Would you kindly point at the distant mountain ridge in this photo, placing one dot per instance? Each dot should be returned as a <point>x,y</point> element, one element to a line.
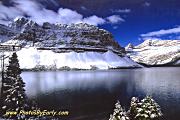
<point>156,52</point>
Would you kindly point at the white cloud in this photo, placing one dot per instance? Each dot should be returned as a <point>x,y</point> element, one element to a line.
<point>162,32</point>
<point>115,27</point>
<point>38,13</point>
<point>115,19</point>
<point>121,10</point>
<point>146,4</point>
<point>149,38</point>
<point>83,8</point>
<point>94,20</point>
<point>68,16</point>
<point>8,13</point>
<point>53,2</point>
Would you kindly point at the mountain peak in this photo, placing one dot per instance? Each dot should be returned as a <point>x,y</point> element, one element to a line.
<point>129,46</point>
<point>22,22</point>
<point>20,18</point>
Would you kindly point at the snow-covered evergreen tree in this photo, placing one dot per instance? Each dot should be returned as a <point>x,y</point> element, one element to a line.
<point>133,107</point>
<point>14,97</point>
<point>119,113</point>
<point>147,109</point>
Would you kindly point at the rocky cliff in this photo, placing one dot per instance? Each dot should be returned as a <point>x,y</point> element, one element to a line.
<point>25,32</point>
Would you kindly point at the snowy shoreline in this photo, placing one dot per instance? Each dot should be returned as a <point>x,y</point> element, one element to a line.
<point>75,69</point>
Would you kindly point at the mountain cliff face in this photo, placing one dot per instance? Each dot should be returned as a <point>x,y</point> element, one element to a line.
<point>25,32</point>
<point>156,52</point>
<point>58,46</point>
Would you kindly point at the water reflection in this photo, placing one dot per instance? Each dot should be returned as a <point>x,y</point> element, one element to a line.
<point>90,93</point>
<point>42,82</point>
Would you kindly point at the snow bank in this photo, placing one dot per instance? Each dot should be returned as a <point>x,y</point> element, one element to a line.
<point>30,58</point>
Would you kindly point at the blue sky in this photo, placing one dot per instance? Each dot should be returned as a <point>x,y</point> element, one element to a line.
<point>130,21</point>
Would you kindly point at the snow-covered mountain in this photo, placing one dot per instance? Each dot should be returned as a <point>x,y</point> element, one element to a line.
<point>59,46</point>
<point>156,52</point>
<point>28,33</point>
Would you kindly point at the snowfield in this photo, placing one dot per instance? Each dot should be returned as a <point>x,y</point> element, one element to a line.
<point>30,58</point>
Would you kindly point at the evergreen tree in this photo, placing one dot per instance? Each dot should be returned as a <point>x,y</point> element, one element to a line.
<point>14,98</point>
<point>147,109</point>
<point>133,107</point>
<point>119,113</point>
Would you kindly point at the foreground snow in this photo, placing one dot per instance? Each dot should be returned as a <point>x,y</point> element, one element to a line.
<point>30,58</point>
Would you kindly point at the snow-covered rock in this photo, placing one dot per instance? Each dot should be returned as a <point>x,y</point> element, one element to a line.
<point>156,52</point>
<point>29,33</point>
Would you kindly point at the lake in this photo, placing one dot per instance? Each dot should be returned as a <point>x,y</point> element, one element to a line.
<point>91,95</point>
